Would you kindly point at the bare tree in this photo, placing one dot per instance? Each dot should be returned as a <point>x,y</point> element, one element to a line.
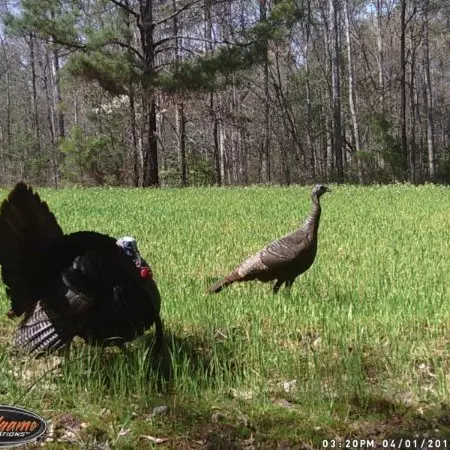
<point>136,153</point>
<point>209,49</point>
<point>265,135</point>
<point>5,55</point>
<point>336,88</point>
<point>180,118</point>
<point>428,92</point>
<point>380,50</point>
<point>45,65</point>
<point>149,141</point>
<point>309,122</point>
<point>333,75</point>
<point>412,106</point>
<point>351,91</point>
<point>403,135</point>
<point>34,99</point>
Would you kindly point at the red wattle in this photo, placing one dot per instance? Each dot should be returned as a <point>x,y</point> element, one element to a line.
<point>145,272</point>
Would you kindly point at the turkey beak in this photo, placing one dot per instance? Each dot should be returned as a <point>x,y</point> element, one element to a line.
<point>137,258</point>
<point>132,251</point>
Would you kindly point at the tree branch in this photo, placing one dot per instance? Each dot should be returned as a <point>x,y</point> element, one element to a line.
<point>411,17</point>
<point>52,39</point>
<point>184,49</point>
<point>209,41</point>
<point>125,8</point>
<point>124,45</point>
<point>175,13</point>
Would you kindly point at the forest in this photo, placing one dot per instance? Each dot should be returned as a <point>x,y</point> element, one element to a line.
<point>224,92</point>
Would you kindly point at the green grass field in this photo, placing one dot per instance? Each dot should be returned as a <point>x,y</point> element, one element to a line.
<point>359,348</point>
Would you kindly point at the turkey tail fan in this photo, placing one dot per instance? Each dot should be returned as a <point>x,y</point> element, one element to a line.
<point>26,227</point>
<point>25,222</point>
<point>37,333</point>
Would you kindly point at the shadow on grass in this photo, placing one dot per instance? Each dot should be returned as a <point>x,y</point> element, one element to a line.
<point>124,365</point>
<point>132,369</point>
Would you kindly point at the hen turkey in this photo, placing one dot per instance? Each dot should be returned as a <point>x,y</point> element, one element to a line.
<point>284,259</point>
<point>83,284</point>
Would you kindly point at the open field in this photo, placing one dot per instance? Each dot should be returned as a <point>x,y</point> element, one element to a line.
<point>360,348</point>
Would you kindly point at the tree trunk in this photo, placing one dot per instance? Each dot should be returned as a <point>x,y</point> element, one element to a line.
<point>309,125</point>
<point>265,131</point>
<point>180,118</point>
<point>289,125</point>
<point>6,143</point>
<point>222,153</point>
<point>181,140</point>
<point>380,45</point>
<point>209,49</point>
<point>412,116</point>
<point>35,121</point>
<point>336,90</point>
<point>327,101</point>
<point>351,93</point>
<point>403,135</point>
<point>150,143</point>
<point>135,156</point>
<point>50,114</point>
<point>428,94</point>
<point>57,97</point>
<point>58,94</point>
<point>234,135</point>
<point>244,138</point>
<point>216,141</point>
<point>137,176</point>
<point>149,137</point>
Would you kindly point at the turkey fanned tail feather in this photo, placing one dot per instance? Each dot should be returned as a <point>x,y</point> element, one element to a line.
<point>26,227</point>
<point>38,334</point>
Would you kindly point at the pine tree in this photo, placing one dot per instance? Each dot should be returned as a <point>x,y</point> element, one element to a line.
<point>119,43</point>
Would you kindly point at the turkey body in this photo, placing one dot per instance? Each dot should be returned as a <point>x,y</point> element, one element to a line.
<point>80,284</point>
<point>284,259</point>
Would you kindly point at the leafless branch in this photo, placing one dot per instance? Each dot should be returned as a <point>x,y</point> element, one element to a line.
<point>125,8</point>
<point>411,17</point>
<point>184,49</point>
<point>200,39</point>
<point>176,13</point>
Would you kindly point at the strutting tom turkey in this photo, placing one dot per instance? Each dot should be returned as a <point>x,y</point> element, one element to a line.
<point>284,259</point>
<point>83,284</point>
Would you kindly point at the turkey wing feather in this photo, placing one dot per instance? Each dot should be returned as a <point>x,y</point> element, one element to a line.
<point>285,250</point>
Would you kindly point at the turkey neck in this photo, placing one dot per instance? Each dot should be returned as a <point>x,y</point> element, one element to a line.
<point>311,224</point>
